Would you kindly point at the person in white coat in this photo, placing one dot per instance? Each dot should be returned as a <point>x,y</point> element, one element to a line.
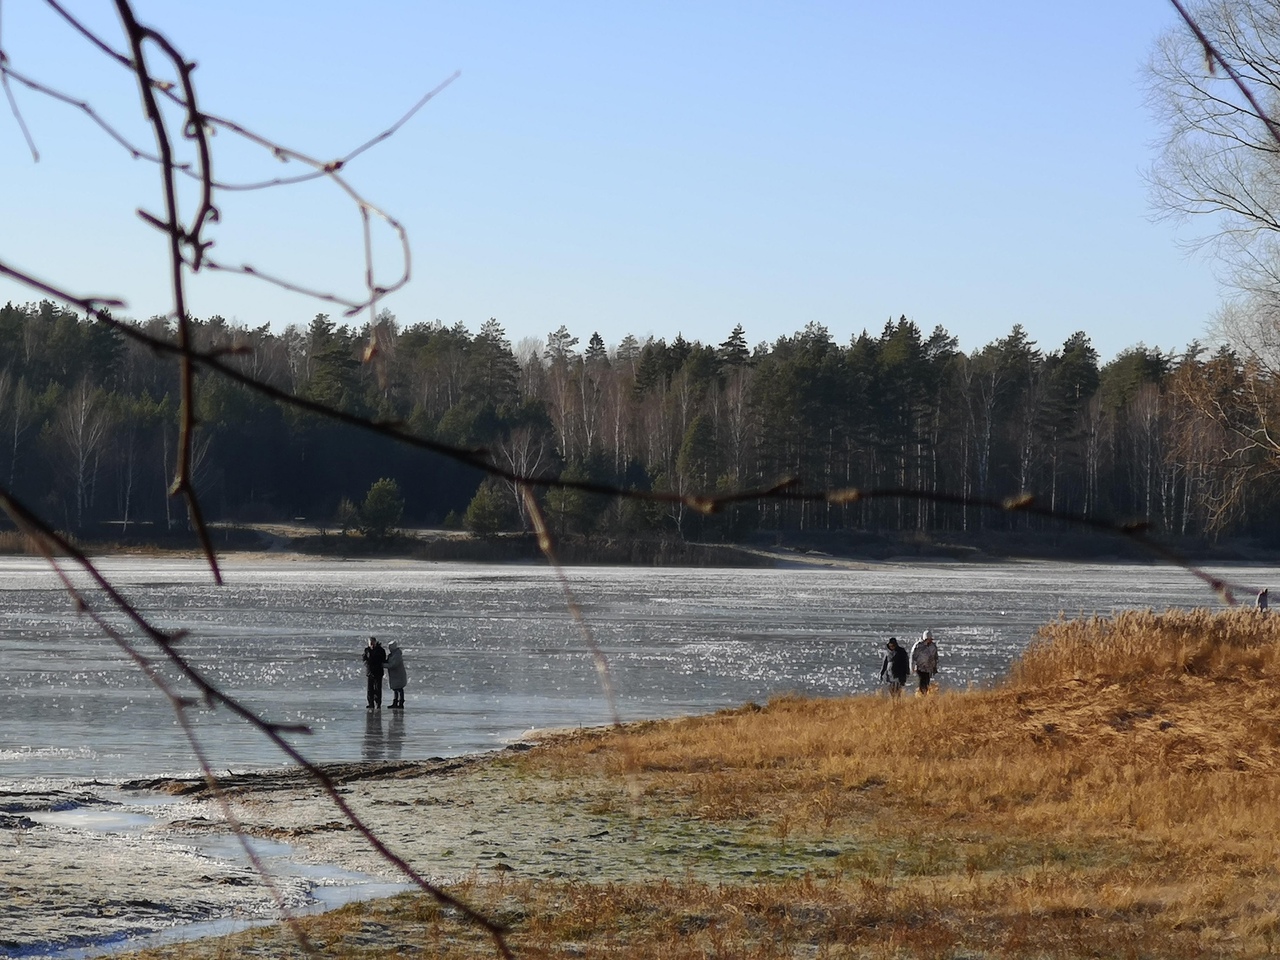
<point>397,676</point>
<point>924,660</point>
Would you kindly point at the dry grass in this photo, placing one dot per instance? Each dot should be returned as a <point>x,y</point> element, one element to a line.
<point>1115,797</point>
<point>13,543</point>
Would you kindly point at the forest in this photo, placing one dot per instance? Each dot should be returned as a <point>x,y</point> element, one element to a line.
<point>88,428</point>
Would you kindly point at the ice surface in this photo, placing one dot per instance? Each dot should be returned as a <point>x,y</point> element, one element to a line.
<point>492,651</point>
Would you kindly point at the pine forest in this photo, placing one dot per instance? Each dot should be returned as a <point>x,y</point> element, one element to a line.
<point>88,428</point>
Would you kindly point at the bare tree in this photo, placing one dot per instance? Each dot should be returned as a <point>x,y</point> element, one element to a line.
<point>1220,155</point>
<point>1213,85</point>
<point>82,427</point>
<point>20,410</point>
<point>525,451</point>
<point>1251,325</point>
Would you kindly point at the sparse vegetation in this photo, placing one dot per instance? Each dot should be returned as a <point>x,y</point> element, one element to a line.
<point>1114,797</point>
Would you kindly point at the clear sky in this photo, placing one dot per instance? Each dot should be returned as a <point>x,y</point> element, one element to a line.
<point>653,168</point>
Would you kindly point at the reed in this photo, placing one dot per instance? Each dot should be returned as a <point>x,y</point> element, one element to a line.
<point>14,543</point>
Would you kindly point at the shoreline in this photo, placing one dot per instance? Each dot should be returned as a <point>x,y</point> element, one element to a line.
<point>777,560</point>
<point>300,540</point>
<point>95,867</point>
<point>170,869</point>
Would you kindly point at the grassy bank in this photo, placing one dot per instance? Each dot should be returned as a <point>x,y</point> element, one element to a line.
<point>1115,797</point>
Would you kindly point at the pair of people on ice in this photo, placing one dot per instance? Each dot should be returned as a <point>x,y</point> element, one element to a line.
<point>897,664</point>
<point>376,658</point>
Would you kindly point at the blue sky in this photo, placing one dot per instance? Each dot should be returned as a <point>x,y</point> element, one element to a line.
<point>656,168</point>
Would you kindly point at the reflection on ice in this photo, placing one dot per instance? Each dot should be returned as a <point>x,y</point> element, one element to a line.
<point>492,651</point>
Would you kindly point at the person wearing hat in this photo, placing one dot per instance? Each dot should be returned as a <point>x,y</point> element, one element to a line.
<point>397,676</point>
<point>924,661</point>
<point>374,658</point>
<point>895,667</point>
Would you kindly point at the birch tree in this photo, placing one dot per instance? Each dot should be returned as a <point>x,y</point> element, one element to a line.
<point>82,427</point>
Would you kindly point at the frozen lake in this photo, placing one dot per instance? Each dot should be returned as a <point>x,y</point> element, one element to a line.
<point>492,651</point>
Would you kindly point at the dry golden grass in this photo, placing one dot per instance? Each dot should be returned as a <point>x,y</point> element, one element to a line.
<point>14,543</point>
<point>1116,797</point>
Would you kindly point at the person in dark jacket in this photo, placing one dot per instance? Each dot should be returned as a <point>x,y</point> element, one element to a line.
<point>895,667</point>
<point>397,676</point>
<point>374,658</point>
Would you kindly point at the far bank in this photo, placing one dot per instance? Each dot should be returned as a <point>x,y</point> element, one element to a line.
<point>820,548</point>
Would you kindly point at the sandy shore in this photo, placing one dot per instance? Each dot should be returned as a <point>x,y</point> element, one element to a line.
<point>102,863</point>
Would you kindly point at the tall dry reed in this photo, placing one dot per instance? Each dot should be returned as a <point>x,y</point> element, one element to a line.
<point>14,543</point>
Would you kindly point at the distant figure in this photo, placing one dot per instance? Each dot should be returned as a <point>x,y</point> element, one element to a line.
<point>895,667</point>
<point>924,661</point>
<point>1262,599</point>
<point>374,657</point>
<point>396,675</point>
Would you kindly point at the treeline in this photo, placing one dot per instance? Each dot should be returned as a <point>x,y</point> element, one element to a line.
<point>88,427</point>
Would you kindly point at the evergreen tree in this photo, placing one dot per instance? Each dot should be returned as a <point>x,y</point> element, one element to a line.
<point>492,370</point>
<point>733,352</point>
<point>596,355</point>
<point>382,508</point>
<point>490,510</point>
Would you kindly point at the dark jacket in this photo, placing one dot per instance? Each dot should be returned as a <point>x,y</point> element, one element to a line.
<point>374,657</point>
<point>897,663</point>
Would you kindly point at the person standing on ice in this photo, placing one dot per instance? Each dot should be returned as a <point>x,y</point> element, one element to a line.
<point>374,658</point>
<point>397,676</point>
<point>924,661</point>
